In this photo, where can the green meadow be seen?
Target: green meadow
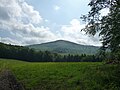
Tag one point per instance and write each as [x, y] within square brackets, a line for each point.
[64, 75]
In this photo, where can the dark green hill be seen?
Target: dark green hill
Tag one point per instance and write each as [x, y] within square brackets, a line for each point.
[65, 47]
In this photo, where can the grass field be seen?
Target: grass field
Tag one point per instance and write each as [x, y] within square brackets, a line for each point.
[64, 76]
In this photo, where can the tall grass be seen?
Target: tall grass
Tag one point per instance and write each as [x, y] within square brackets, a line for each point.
[64, 76]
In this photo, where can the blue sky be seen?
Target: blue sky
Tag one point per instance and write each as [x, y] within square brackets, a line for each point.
[67, 9]
[25, 22]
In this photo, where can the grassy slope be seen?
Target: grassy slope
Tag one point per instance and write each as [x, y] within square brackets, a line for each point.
[64, 76]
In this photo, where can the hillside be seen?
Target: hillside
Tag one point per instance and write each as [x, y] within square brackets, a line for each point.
[64, 47]
[31, 55]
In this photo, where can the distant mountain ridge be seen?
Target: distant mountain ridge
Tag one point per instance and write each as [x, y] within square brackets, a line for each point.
[65, 47]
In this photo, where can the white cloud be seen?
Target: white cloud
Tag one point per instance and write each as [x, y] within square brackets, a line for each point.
[9, 41]
[73, 33]
[46, 20]
[19, 20]
[32, 14]
[11, 8]
[75, 22]
[19, 25]
[20, 10]
[104, 12]
[56, 8]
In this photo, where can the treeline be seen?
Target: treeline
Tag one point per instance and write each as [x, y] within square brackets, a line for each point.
[24, 53]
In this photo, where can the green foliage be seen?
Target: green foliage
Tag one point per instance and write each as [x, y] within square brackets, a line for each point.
[64, 76]
[108, 26]
[26, 54]
[65, 47]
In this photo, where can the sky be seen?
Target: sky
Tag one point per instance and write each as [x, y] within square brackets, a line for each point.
[26, 22]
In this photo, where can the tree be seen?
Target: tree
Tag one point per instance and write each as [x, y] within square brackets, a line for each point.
[108, 26]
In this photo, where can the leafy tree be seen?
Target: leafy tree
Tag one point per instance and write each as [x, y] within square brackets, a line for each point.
[108, 26]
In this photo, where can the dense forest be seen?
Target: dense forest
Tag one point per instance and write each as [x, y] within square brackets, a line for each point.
[24, 53]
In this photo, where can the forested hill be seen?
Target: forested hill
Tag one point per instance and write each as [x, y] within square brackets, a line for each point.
[65, 47]
[26, 54]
